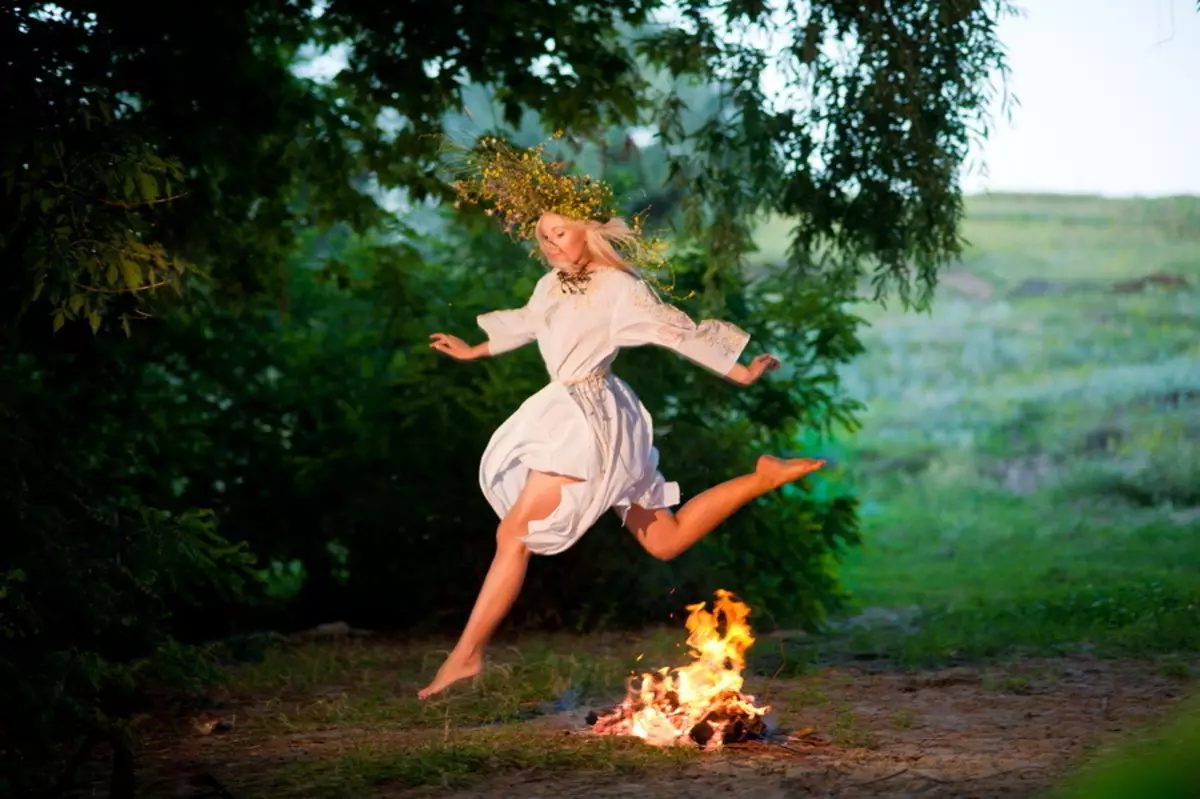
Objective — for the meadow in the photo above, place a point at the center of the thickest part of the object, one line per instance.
(1027, 597)
(1028, 460)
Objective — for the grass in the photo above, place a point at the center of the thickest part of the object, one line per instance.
(350, 707)
(1029, 463)
(1008, 683)
(846, 730)
(1161, 765)
(316, 685)
(464, 759)
(1029, 476)
(1030, 460)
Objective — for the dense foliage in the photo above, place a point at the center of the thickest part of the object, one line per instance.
(218, 407)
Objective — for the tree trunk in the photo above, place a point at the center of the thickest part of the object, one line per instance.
(121, 786)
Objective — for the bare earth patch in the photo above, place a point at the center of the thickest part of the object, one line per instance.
(986, 731)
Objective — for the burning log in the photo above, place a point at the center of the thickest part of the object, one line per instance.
(699, 704)
(733, 730)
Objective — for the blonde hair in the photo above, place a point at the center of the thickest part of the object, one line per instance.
(606, 240)
(607, 244)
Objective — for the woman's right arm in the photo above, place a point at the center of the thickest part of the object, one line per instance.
(511, 329)
(506, 331)
(458, 349)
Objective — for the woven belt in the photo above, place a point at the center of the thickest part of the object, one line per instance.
(597, 376)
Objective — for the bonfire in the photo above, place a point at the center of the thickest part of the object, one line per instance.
(701, 703)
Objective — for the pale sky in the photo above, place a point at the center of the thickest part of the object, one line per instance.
(1109, 94)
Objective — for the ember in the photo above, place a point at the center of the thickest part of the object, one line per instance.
(701, 703)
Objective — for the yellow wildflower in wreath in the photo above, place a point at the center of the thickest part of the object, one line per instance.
(517, 186)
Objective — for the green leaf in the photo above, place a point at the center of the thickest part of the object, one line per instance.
(149, 186)
(132, 273)
(76, 302)
(47, 203)
(94, 320)
(60, 319)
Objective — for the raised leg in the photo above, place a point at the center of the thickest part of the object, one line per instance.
(540, 496)
(666, 535)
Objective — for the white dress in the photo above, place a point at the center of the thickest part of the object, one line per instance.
(587, 423)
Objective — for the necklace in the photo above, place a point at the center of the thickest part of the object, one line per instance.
(574, 282)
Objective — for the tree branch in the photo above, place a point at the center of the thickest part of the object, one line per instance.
(121, 204)
(159, 284)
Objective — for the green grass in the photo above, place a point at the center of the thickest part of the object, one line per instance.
(846, 730)
(1162, 765)
(459, 761)
(1030, 459)
(350, 706)
(315, 685)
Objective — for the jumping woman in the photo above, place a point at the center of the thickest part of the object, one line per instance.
(584, 444)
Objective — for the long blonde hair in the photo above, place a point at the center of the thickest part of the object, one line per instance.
(606, 240)
(606, 243)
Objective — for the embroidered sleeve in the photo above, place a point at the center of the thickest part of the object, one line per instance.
(642, 318)
(508, 330)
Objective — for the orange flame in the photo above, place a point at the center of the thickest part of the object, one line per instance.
(701, 702)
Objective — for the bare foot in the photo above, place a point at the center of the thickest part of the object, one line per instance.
(780, 471)
(454, 669)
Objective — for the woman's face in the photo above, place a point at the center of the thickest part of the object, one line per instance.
(562, 240)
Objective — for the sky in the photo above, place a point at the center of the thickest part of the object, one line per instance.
(1109, 94)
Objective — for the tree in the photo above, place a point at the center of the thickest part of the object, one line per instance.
(164, 170)
(861, 148)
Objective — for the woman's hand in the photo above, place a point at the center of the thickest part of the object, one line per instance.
(746, 375)
(761, 365)
(455, 347)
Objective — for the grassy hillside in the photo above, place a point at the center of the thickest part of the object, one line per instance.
(1030, 459)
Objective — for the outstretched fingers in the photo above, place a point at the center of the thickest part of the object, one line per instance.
(441, 342)
(769, 362)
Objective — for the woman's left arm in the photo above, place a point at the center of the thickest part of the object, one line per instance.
(746, 375)
(642, 318)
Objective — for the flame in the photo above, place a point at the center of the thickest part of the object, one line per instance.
(702, 702)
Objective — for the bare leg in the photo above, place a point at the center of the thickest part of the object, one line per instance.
(666, 535)
(540, 496)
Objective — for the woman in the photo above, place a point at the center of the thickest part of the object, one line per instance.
(584, 443)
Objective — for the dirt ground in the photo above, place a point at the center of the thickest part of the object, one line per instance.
(962, 732)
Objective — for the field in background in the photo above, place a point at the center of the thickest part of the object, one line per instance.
(1030, 458)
